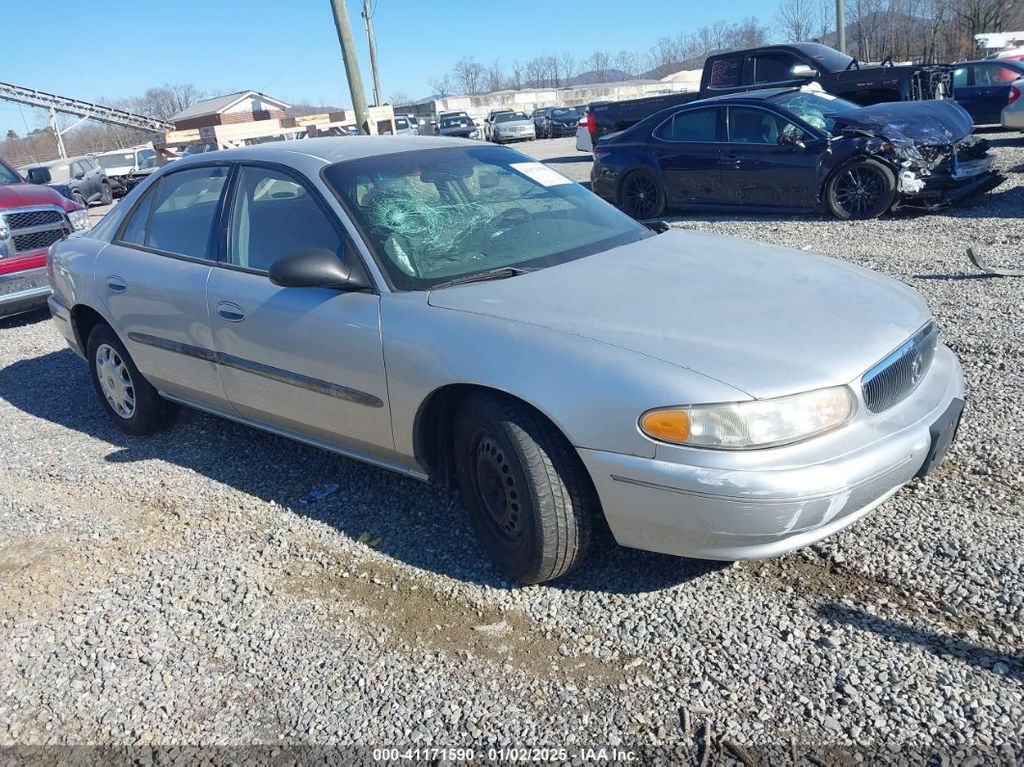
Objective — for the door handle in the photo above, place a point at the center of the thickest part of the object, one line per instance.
(230, 312)
(116, 285)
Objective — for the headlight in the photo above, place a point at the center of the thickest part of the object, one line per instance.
(475, 134)
(79, 219)
(752, 424)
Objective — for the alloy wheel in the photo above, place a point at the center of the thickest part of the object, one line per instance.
(859, 190)
(642, 195)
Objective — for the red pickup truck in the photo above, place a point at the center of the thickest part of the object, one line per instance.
(32, 218)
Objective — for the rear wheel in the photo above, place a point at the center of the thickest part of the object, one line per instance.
(77, 197)
(106, 196)
(863, 189)
(525, 489)
(131, 401)
(642, 195)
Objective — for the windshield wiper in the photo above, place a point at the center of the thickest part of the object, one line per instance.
(501, 273)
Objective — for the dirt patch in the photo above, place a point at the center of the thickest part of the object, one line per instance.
(410, 615)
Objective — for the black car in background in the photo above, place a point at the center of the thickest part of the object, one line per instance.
(78, 178)
(559, 121)
(983, 87)
(539, 116)
(793, 149)
(458, 126)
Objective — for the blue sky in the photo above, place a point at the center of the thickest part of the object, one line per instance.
(289, 48)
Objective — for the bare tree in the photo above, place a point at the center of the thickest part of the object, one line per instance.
(400, 97)
(517, 74)
(496, 79)
(442, 86)
(628, 62)
(599, 64)
(826, 20)
(795, 20)
(468, 75)
(568, 66)
(749, 33)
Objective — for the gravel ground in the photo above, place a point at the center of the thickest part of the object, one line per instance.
(182, 589)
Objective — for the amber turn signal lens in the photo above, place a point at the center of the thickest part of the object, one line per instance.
(668, 425)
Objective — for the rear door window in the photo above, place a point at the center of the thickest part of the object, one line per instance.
(697, 126)
(185, 211)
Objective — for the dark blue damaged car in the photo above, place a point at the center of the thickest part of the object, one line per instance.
(794, 150)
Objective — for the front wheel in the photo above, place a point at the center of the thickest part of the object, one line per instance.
(106, 195)
(642, 195)
(131, 401)
(527, 493)
(861, 190)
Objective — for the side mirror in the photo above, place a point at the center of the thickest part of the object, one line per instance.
(788, 139)
(39, 175)
(318, 268)
(804, 70)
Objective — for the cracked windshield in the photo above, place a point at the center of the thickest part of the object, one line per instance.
(431, 216)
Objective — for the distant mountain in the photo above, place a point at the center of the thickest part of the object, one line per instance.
(593, 76)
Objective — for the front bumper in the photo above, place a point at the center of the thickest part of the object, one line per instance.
(23, 291)
(938, 192)
(755, 504)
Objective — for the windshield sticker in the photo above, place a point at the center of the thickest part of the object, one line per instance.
(541, 173)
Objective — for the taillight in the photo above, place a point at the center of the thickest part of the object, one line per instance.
(1014, 94)
(591, 124)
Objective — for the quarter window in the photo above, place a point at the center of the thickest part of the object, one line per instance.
(185, 210)
(274, 216)
(135, 228)
(698, 126)
(758, 126)
(960, 77)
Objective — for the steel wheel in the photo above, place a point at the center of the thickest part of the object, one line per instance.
(642, 196)
(115, 381)
(863, 190)
(497, 491)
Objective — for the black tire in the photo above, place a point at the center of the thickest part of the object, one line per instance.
(76, 196)
(642, 195)
(527, 493)
(861, 190)
(150, 412)
(106, 195)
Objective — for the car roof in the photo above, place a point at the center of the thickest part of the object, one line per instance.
(758, 95)
(1008, 63)
(333, 149)
(61, 161)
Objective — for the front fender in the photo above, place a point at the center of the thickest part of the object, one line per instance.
(593, 392)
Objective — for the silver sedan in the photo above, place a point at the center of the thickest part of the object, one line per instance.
(460, 313)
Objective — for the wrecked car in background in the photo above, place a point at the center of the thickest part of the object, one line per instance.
(794, 149)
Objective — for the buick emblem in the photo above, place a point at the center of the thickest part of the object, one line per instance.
(916, 368)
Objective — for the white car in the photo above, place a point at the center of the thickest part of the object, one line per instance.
(583, 143)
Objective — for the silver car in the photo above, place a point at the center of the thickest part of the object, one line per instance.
(1013, 112)
(458, 312)
(512, 126)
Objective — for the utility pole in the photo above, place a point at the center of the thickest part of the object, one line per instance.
(371, 40)
(840, 27)
(348, 55)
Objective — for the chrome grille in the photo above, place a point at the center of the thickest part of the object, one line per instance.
(895, 377)
(36, 228)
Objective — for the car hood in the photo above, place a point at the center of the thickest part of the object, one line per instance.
(25, 195)
(462, 131)
(924, 123)
(764, 319)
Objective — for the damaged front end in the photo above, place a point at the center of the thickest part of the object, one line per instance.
(931, 145)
